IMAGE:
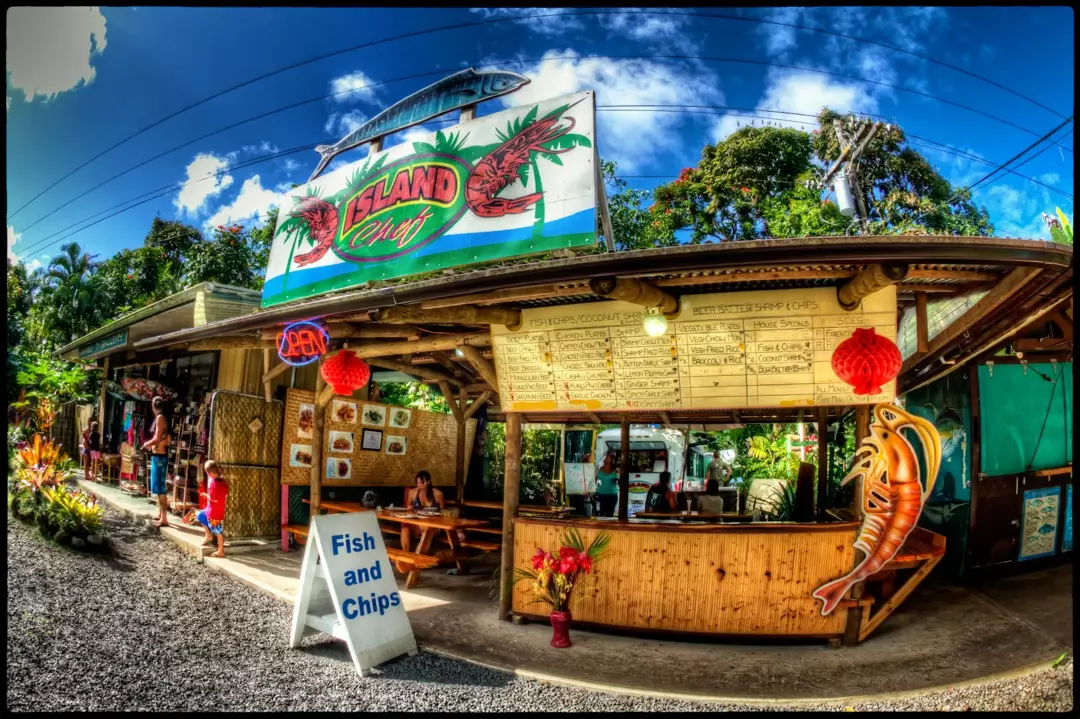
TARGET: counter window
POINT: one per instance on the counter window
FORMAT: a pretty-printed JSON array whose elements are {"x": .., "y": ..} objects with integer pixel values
[{"x": 645, "y": 457}]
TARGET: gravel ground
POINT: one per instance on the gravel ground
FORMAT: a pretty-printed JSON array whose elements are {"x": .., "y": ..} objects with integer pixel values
[{"x": 149, "y": 629}]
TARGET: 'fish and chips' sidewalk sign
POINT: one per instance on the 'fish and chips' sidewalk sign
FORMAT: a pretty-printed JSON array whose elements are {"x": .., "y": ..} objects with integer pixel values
[{"x": 346, "y": 558}]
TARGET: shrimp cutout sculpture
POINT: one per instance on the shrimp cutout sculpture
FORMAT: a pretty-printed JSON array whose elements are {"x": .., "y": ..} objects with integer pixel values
[{"x": 893, "y": 494}]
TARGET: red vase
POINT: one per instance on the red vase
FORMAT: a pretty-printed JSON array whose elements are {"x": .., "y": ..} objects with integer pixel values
[{"x": 560, "y": 623}]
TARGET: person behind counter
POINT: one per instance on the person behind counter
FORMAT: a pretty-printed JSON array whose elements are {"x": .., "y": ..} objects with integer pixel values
[
  {"x": 660, "y": 497},
  {"x": 607, "y": 486},
  {"x": 718, "y": 470},
  {"x": 711, "y": 501},
  {"x": 423, "y": 495}
]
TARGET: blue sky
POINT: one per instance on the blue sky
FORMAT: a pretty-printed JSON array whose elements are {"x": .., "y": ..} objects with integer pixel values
[{"x": 82, "y": 79}]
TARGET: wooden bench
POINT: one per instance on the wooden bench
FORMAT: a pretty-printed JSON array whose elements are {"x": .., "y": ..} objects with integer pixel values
[
  {"x": 487, "y": 530},
  {"x": 298, "y": 529},
  {"x": 410, "y": 564}
]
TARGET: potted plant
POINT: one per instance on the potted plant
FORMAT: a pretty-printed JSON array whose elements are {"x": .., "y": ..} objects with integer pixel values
[
  {"x": 744, "y": 491},
  {"x": 562, "y": 579}
]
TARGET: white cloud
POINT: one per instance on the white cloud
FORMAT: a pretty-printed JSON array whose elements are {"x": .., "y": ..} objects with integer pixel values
[
  {"x": 778, "y": 38},
  {"x": 658, "y": 31},
  {"x": 291, "y": 165},
  {"x": 1018, "y": 212},
  {"x": 12, "y": 238},
  {"x": 803, "y": 92},
  {"x": 34, "y": 264},
  {"x": 70, "y": 37},
  {"x": 263, "y": 148},
  {"x": 340, "y": 124},
  {"x": 556, "y": 21},
  {"x": 253, "y": 198},
  {"x": 632, "y": 139},
  {"x": 354, "y": 87},
  {"x": 200, "y": 185}
]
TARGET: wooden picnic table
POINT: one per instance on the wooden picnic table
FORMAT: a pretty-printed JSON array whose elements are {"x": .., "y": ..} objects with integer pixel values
[{"x": 429, "y": 528}]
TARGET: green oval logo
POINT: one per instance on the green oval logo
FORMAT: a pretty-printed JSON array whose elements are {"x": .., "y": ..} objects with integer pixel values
[{"x": 407, "y": 205}]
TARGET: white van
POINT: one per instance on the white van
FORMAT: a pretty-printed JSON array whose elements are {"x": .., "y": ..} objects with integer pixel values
[{"x": 652, "y": 450}]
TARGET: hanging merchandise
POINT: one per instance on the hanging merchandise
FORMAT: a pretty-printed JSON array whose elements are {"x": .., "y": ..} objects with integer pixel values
[
  {"x": 866, "y": 360},
  {"x": 147, "y": 389},
  {"x": 129, "y": 410},
  {"x": 115, "y": 389},
  {"x": 345, "y": 372}
]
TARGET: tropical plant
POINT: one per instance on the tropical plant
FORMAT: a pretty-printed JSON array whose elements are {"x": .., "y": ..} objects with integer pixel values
[
  {"x": 562, "y": 580},
  {"x": 1061, "y": 230},
  {"x": 540, "y": 458},
  {"x": 75, "y": 513},
  {"x": 72, "y": 304}
]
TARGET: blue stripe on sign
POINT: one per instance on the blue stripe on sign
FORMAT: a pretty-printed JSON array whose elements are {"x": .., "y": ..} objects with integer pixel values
[{"x": 584, "y": 221}]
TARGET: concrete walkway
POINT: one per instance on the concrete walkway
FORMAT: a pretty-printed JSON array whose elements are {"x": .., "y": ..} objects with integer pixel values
[{"x": 943, "y": 635}]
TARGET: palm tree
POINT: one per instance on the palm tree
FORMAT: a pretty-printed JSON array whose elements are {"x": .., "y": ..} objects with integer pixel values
[{"x": 72, "y": 293}]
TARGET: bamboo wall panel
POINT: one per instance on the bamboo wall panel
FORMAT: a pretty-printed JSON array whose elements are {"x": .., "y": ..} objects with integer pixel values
[
  {"x": 253, "y": 507},
  {"x": 709, "y": 580},
  {"x": 231, "y": 438},
  {"x": 230, "y": 374},
  {"x": 431, "y": 444}
]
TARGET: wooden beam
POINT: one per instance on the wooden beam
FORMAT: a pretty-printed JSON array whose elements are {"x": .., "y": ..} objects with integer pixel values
[
  {"x": 995, "y": 298},
  {"x": 957, "y": 275},
  {"x": 908, "y": 289},
  {"x": 1063, "y": 323},
  {"x": 626, "y": 289},
  {"x": 266, "y": 371},
  {"x": 478, "y": 403},
  {"x": 424, "y": 344},
  {"x": 278, "y": 369},
  {"x": 346, "y": 330},
  {"x": 862, "y": 431},
  {"x": 922, "y": 327},
  {"x": 666, "y": 419},
  {"x": 443, "y": 359},
  {"x": 823, "y": 462},
  {"x": 325, "y": 396},
  {"x": 1050, "y": 344},
  {"x": 511, "y": 495},
  {"x": 426, "y": 373},
  {"x": 459, "y": 446},
  {"x": 536, "y": 292},
  {"x": 478, "y": 388},
  {"x": 895, "y": 600},
  {"x": 317, "y": 468},
  {"x": 624, "y": 469},
  {"x": 230, "y": 343},
  {"x": 484, "y": 368},
  {"x": 448, "y": 394},
  {"x": 869, "y": 280},
  {"x": 754, "y": 276},
  {"x": 595, "y": 418},
  {"x": 461, "y": 315}
]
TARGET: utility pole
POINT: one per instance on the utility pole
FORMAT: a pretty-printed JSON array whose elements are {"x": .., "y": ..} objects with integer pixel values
[{"x": 851, "y": 200}]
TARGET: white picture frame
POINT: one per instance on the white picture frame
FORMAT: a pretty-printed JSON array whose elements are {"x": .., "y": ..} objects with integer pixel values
[
  {"x": 373, "y": 415},
  {"x": 397, "y": 445},
  {"x": 345, "y": 437},
  {"x": 305, "y": 421},
  {"x": 299, "y": 448},
  {"x": 400, "y": 418},
  {"x": 335, "y": 466},
  {"x": 343, "y": 412}
]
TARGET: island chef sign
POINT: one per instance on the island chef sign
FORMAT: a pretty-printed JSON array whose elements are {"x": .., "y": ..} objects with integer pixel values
[
  {"x": 345, "y": 561},
  {"x": 514, "y": 183}
]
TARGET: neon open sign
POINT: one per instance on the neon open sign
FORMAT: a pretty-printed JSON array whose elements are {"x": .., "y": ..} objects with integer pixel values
[{"x": 302, "y": 343}]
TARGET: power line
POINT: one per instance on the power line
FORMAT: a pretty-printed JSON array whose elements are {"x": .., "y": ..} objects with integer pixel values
[
  {"x": 520, "y": 18},
  {"x": 691, "y": 109},
  {"x": 1020, "y": 154},
  {"x": 507, "y": 63}
]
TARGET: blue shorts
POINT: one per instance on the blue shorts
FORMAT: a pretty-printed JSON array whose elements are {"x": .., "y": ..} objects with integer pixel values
[
  {"x": 204, "y": 519},
  {"x": 158, "y": 464}
]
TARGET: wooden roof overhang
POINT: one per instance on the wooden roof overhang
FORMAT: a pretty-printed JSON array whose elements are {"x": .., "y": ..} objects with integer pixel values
[{"x": 415, "y": 326}]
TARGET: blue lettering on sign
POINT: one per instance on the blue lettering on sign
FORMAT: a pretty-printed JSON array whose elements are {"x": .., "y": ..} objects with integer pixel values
[
  {"x": 361, "y": 607},
  {"x": 350, "y": 544},
  {"x": 363, "y": 574}
]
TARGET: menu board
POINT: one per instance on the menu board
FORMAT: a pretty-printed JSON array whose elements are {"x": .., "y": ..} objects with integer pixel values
[{"x": 731, "y": 350}]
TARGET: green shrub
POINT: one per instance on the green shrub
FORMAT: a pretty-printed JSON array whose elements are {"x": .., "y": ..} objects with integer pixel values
[{"x": 74, "y": 513}]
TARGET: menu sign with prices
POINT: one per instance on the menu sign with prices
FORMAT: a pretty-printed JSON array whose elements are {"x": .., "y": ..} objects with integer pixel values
[{"x": 730, "y": 350}]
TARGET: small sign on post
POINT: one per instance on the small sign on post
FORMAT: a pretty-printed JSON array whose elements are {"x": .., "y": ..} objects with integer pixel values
[{"x": 346, "y": 559}]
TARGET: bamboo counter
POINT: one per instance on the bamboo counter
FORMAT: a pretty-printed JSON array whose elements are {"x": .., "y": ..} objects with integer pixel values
[{"x": 722, "y": 580}]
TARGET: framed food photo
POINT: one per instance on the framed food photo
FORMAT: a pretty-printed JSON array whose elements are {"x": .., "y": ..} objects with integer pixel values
[
  {"x": 374, "y": 416},
  {"x": 343, "y": 412},
  {"x": 307, "y": 421},
  {"x": 396, "y": 444},
  {"x": 341, "y": 442},
  {"x": 338, "y": 468},
  {"x": 300, "y": 455},
  {"x": 372, "y": 440},
  {"x": 400, "y": 418}
]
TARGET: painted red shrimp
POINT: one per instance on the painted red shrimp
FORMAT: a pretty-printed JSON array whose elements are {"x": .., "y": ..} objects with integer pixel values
[
  {"x": 893, "y": 496},
  {"x": 499, "y": 168}
]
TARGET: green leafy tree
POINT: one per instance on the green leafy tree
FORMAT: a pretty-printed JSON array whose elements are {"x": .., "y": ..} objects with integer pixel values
[
  {"x": 71, "y": 304},
  {"x": 227, "y": 258},
  {"x": 633, "y": 225},
  {"x": 413, "y": 395}
]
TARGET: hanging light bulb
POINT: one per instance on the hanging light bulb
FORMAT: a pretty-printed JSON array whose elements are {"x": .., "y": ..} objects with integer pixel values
[
  {"x": 653, "y": 322},
  {"x": 458, "y": 352}
]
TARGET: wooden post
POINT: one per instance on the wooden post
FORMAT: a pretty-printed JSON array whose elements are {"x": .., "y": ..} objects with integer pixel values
[
  {"x": 922, "y": 330},
  {"x": 317, "y": 468},
  {"x": 636, "y": 292},
  {"x": 266, "y": 371},
  {"x": 459, "y": 452},
  {"x": 101, "y": 401},
  {"x": 862, "y": 431},
  {"x": 823, "y": 462},
  {"x": 511, "y": 493},
  {"x": 624, "y": 469}
]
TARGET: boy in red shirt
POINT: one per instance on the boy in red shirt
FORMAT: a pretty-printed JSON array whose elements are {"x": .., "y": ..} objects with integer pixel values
[{"x": 212, "y": 518}]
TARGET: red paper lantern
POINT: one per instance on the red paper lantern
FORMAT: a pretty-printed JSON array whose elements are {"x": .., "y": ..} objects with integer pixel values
[
  {"x": 866, "y": 360},
  {"x": 346, "y": 372}
]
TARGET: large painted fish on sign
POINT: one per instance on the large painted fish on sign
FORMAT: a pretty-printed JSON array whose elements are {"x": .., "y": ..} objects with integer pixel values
[
  {"x": 459, "y": 90},
  {"x": 893, "y": 494}
]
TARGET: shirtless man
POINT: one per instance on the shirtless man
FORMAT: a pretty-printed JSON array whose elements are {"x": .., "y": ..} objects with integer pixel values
[{"x": 158, "y": 446}]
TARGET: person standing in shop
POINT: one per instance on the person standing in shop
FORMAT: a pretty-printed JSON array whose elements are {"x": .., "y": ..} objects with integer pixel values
[
  {"x": 607, "y": 486},
  {"x": 718, "y": 470},
  {"x": 158, "y": 446}
]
